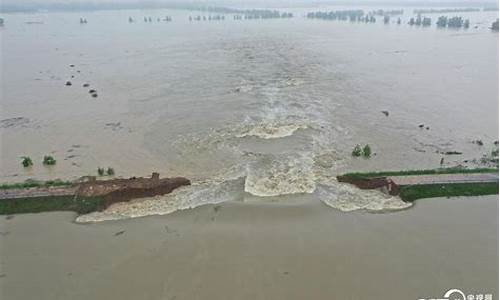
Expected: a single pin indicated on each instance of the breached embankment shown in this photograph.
(87, 196)
(124, 190)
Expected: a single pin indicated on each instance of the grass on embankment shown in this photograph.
(414, 192)
(34, 183)
(420, 172)
(80, 205)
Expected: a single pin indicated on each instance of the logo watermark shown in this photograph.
(456, 294)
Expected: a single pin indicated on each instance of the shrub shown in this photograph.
(356, 152)
(110, 171)
(367, 151)
(26, 162)
(100, 171)
(49, 160)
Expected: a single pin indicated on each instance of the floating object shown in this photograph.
(386, 113)
(86, 85)
(92, 91)
(68, 83)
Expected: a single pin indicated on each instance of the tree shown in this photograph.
(494, 25)
(26, 162)
(418, 21)
(367, 151)
(49, 160)
(357, 151)
(110, 171)
(442, 21)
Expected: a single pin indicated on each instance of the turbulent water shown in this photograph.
(261, 110)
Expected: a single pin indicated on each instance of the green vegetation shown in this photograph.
(34, 183)
(452, 22)
(80, 205)
(343, 15)
(421, 172)
(26, 161)
(100, 171)
(367, 151)
(49, 160)
(494, 25)
(414, 192)
(357, 151)
(110, 171)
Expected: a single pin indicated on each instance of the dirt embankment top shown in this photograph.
(120, 190)
(111, 191)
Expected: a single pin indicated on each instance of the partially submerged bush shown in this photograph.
(110, 171)
(26, 161)
(357, 151)
(49, 160)
(100, 171)
(367, 151)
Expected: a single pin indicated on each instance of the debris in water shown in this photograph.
(68, 83)
(386, 113)
(120, 233)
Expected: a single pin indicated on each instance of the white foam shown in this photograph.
(272, 176)
(272, 130)
(348, 198)
(180, 199)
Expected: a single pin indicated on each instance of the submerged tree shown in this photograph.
(49, 160)
(455, 22)
(418, 21)
(357, 151)
(367, 151)
(26, 162)
(466, 24)
(442, 21)
(110, 171)
(494, 25)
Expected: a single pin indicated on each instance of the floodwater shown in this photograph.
(250, 110)
(281, 251)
